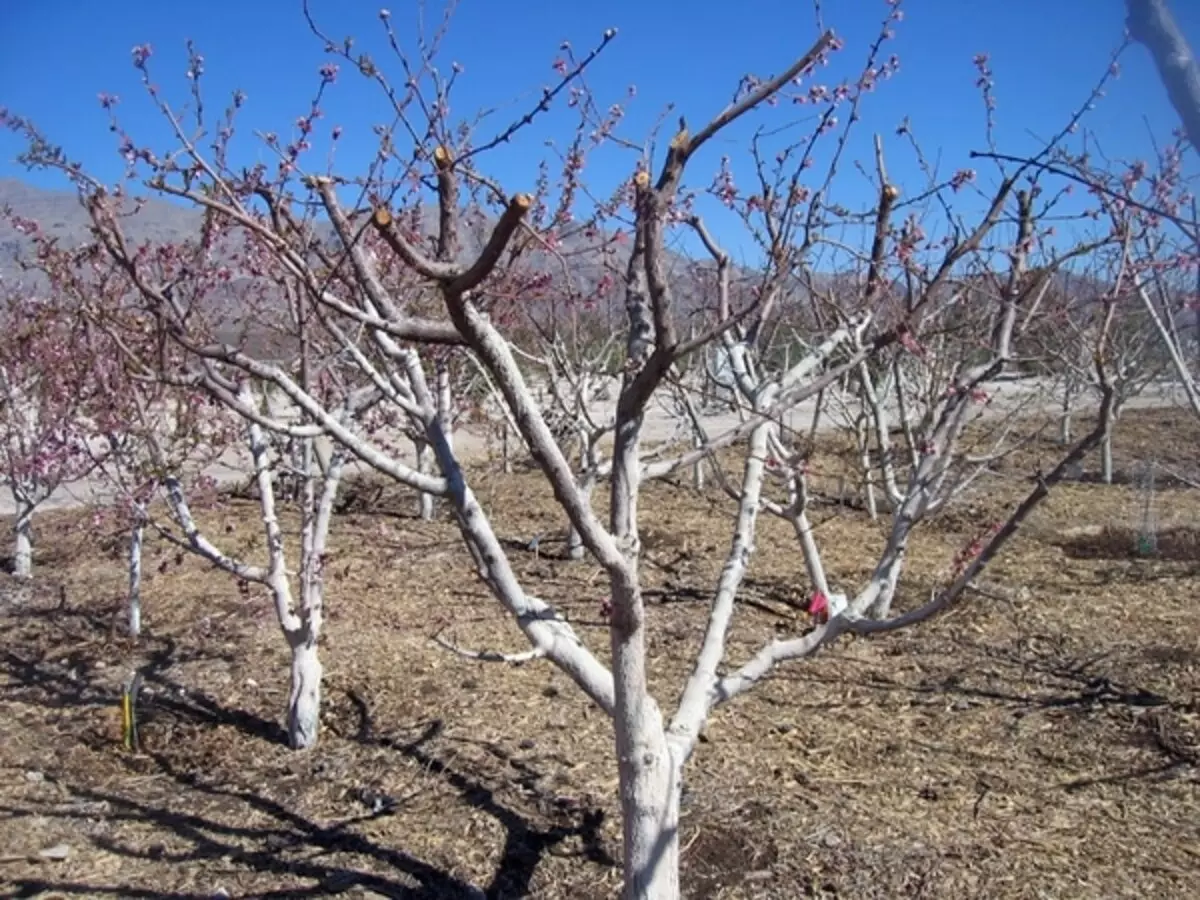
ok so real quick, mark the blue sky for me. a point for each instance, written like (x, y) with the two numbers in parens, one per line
(1046, 56)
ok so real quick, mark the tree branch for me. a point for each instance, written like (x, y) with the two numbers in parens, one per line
(1151, 24)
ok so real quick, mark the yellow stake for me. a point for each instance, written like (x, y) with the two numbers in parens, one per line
(128, 719)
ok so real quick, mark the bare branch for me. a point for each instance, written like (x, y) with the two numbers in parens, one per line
(515, 659)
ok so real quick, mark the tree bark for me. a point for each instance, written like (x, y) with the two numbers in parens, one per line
(587, 486)
(425, 463)
(304, 700)
(1152, 25)
(652, 783)
(23, 534)
(136, 535)
(505, 452)
(865, 467)
(1065, 417)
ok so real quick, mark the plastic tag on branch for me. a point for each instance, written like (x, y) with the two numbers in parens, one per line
(824, 607)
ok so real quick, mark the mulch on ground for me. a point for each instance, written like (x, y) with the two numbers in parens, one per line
(1040, 740)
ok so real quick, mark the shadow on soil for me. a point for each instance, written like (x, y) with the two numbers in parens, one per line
(1051, 682)
(287, 843)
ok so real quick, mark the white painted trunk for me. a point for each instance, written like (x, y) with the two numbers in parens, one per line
(445, 403)
(136, 538)
(868, 473)
(882, 606)
(1106, 459)
(304, 700)
(587, 486)
(812, 556)
(651, 784)
(1065, 418)
(425, 461)
(575, 548)
(875, 600)
(23, 547)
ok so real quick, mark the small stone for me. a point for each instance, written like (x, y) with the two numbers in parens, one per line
(35, 777)
(57, 852)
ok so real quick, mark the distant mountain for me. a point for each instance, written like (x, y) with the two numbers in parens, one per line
(62, 216)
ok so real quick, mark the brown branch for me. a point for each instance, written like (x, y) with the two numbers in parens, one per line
(1188, 228)
(501, 235)
(367, 277)
(544, 103)
(385, 224)
(447, 189)
(888, 194)
(683, 147)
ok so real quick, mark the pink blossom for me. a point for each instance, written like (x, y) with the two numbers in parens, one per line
(962, 177)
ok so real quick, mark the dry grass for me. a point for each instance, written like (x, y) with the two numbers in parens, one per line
(1038, 743)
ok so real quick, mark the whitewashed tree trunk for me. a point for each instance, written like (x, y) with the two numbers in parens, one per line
(882, 588)
(425, 463)
(587, 486)
(1151, 23)
(304, 698)
(445, 402)
(300, 622)
(1066, 416)
(23, 540)
(812, 557)
(575, 548)
(652, 784)
(867, 470)
(1106, 459)
(137, 533)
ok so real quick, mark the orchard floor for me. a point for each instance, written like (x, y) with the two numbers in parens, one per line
(1040, 740)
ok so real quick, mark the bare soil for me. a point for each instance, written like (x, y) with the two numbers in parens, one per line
(1040, 740)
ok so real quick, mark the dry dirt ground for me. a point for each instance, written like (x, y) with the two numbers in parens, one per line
(1038, 741)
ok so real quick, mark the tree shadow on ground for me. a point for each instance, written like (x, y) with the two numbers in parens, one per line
(62, 682)
(525, 844)
(290, 844)
(1055, 681)
(284, 848)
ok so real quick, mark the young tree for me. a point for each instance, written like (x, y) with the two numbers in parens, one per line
(1102, 307)
(46, 399)
(156, 437)
(165, 316)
